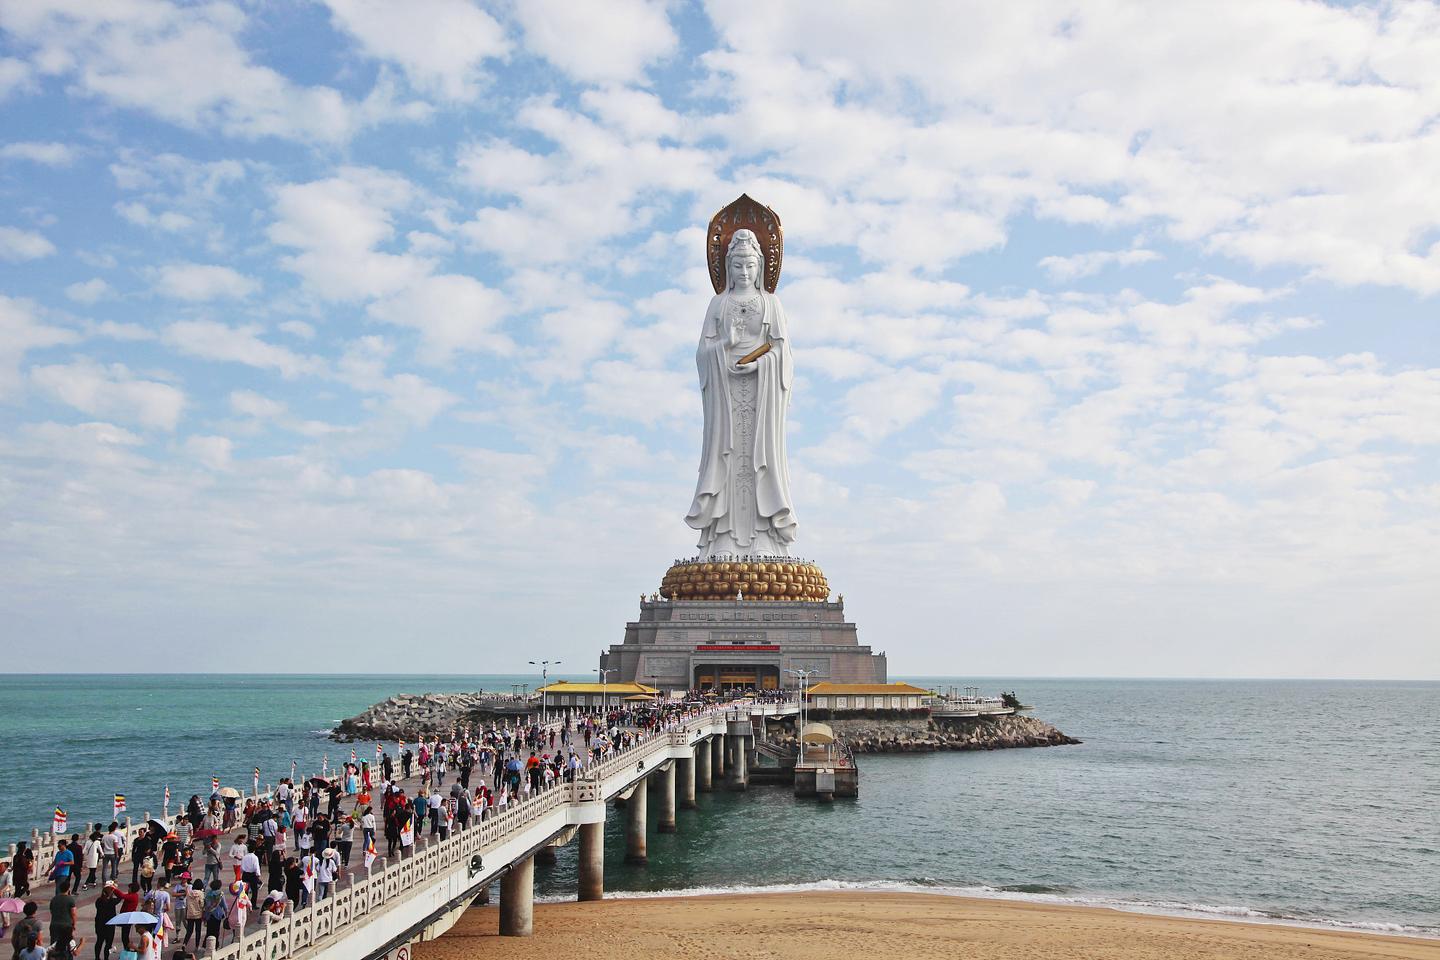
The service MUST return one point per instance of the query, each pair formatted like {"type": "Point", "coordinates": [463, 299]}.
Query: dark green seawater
{"type": "Point", "coordinates": [1313, 801]}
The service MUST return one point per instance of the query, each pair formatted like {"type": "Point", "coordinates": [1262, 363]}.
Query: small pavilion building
{"type": "Point", "coordinates": [842, 698]}
{"type": "Point", "coordinates": [563, 694]}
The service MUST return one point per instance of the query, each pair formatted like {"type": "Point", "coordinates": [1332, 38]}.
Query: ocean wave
{"type": "Point", "coordinates": [1033, 893]}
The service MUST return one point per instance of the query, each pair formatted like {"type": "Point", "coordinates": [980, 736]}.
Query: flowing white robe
{"type": "Point", "coordinates": [742, 502]}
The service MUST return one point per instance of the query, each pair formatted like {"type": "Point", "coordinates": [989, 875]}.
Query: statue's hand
{"type": "Point", "coordinates": [750, 367]}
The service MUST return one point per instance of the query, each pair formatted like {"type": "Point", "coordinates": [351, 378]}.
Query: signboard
{"type": "Point", "coordinates": [739, 647]}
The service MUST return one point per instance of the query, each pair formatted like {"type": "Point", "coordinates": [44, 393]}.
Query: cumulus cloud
{"type": "Point", "coordinates": [18, 245]}
{"type": "Point", "coordinates": [440, 44]}
{"type": "Point", "coordinates": [47, 153]}
{"type": "Point", "coordinates": [89, 291]}
{"type": "Point", "coordinates": [1079, 265]}
{"type": "Point", "coordinates": [212, 340]}
{"type": "Point", "coordinates": [611, 43]}
{"type": "Point", "coordinates": [336, 225]}
{"type": "Point", "coordinates": [112, 392]}
{"type": "Point", "coordinates": [198, 282]}
{"type": "Point", "coordinates": [248, 403]}
{"type": "Point", "coordinates": [452, 313]}
{"type": "Point", "coordinates": [187, 65]}
{"type": "Point", "coordinates": [22, 330]}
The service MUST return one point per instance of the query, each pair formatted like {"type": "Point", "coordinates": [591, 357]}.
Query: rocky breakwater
{"type": "Point", "coordinates": [408, 714]}
{"type": "Point", "coordinates": [924, 734]}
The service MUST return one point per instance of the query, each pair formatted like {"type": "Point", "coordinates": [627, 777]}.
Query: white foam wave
{"type": "Point", "coordinates": [1169, 908]}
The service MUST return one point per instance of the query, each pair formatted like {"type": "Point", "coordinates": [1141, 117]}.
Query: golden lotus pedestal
{"type": "Point", "coordinates": [744, 580]}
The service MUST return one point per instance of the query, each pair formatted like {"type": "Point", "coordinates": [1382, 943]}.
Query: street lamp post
{"type": "Point", "coordinates": [804, 677]}
{"type": "Point", "coordinates": [604, 681]}
{"type": "Point", "coordinates": [544, 666]}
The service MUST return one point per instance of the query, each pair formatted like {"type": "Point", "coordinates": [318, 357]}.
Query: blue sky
{"type": "Point", "coordinates": [334, 330]}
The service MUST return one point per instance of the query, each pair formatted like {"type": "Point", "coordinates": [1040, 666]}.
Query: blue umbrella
{"type": "Point", "coordinates": [133, 917]}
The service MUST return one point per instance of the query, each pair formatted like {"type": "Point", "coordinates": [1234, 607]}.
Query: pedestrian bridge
{"type": "Point", "coordinates": [419, 897]}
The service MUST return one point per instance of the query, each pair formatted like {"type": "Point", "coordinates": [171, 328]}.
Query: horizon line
{"type": "Point", "coordinates": [926, 676]}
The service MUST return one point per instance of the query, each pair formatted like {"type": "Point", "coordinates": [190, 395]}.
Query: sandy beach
{"type": "Point", "coordinates": [827, 925]}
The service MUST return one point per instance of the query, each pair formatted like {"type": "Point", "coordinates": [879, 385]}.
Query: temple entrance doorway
{"type": "Point", "coordinates": [729, 676]}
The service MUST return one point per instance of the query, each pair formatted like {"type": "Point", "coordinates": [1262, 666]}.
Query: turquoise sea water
{"type": "Point", "coordinates": [1305, 800]}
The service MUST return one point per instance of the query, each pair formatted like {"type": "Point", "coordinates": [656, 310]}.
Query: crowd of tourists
{"type": "Point", "coordinates": [228, 862]}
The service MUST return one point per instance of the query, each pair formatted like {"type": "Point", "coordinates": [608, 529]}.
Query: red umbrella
{"type": "Point", "coordinates": [207, 833]}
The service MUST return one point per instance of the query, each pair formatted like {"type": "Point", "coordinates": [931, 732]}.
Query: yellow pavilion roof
{"type": "Point", "coordinates": [620, 689]}
{"type": "Point", "coordinates": [866, 689]}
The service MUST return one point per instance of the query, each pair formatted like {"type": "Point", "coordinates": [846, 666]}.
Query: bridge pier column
{"type": "Point", "coordinates": [703, 765]}
{"type": "Point", "coordinates": [685, 771]}
{"type": "Point", "coordinates": [666, 783]}
{"type": "Point", "coordinates": [592, 861]}
{"type": "Point", "coordinates": [737, 776]}
{"type": "Point", "coordinates": [635, 824]}
{"type": "Point", "coordinates": [717, 754]}
{"type": "Point", "coordinates": [517, 899]}
{"type": "Point", "coordinates": [545, 856]}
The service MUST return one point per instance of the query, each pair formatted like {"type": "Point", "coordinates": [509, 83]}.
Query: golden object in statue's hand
{"type": "Point", "coordinates": [753, 355]}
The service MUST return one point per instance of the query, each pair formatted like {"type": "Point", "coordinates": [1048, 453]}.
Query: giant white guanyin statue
{"type": "Point", "coordinates": [742, 505]}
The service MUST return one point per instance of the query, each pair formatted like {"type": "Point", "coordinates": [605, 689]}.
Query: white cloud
{"type": "Point", "coordinates": [210, 451]}
{"type": "Point", "coordinates": [198, 282]}
{"type": "Point", "coordinates": [298, 328]}
{"type": "Point", "coordinates": [112, 392]}
{"type": "Point", "coordinates": [618, 389]}
{"type": "Point", "coordinates": [248, 403]}
{"type": "Point", "coordinates": [89, 291]}
{"type": "Point", "coordinates": [613, 42]}
{"type": "Point", "coordinates": [1081, 265]}
{"type": "Point", "coordinates": [595, 184]}
{"type": "Point", "coordinates": [451, 312]}
{"type": "Point", "coordinates": [186, 65]}
{"type": "Point", "coordinates": [15, 75]}
{"type": "Point", "coordinates": [1303, 142]}
{"type": "Point", "coordinates": [212, 340]}
{"type": "Point", "coordinates": [124, 332]}
{"type": "Point", "coordinates": [18, 245]}
{"type": "Point", "coordinates": [336, 224]}
{"type": "Point", "coordinates": [48, 153]}
{"type": "Point", "coordinates": [406, 396]}
{"type": "Point", "coordinates": [440, 44]}
{"type": "Point", "coordinates": [139, 214]}
{"type": "Point", "coordinates": [20, 332]}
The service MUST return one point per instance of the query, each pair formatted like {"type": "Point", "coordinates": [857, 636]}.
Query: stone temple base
{"type": "Point", "coordinates": [680, 644]}
{"type": "Point", "coordinates": [745, 579]}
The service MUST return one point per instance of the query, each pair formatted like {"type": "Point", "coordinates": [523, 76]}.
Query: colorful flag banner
{"type": "Point", "coordinates": [257, 781]}
{"type": "Point", "coordinates": [214, 784]}
{"type": "Point", "coordinates": [407, 833]}
{"type": "Point", "coordinates": [119, 804]}
{"type": "Point", "coordinates": [369, 852]}
{"type": "Point", "coordinates": [58, 826]}
{"type": "Point", "coordinates": [379, 751]}
{"type": "Point", "coordinates": [352, 754]}
{"type": "Point", "coordinates": [325, 765]}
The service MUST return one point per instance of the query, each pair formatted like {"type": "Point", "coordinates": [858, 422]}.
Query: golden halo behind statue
{"type": "Point", "coordinates": [745, 214]}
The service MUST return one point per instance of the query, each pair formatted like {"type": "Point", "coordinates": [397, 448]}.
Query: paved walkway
{"type": "Point", "coordinates": [42, 891]}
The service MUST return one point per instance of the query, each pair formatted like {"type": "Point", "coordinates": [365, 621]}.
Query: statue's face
{"type": "Point", "coordinates": [745, 271]}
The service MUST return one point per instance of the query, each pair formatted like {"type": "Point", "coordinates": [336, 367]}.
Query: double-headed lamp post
{"type": "Point", "coordinates": [604, 680]}
{"type": "Point", "coordinates": [804, 677]}
{"type": "Point", "coordinates": [544, 666]}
